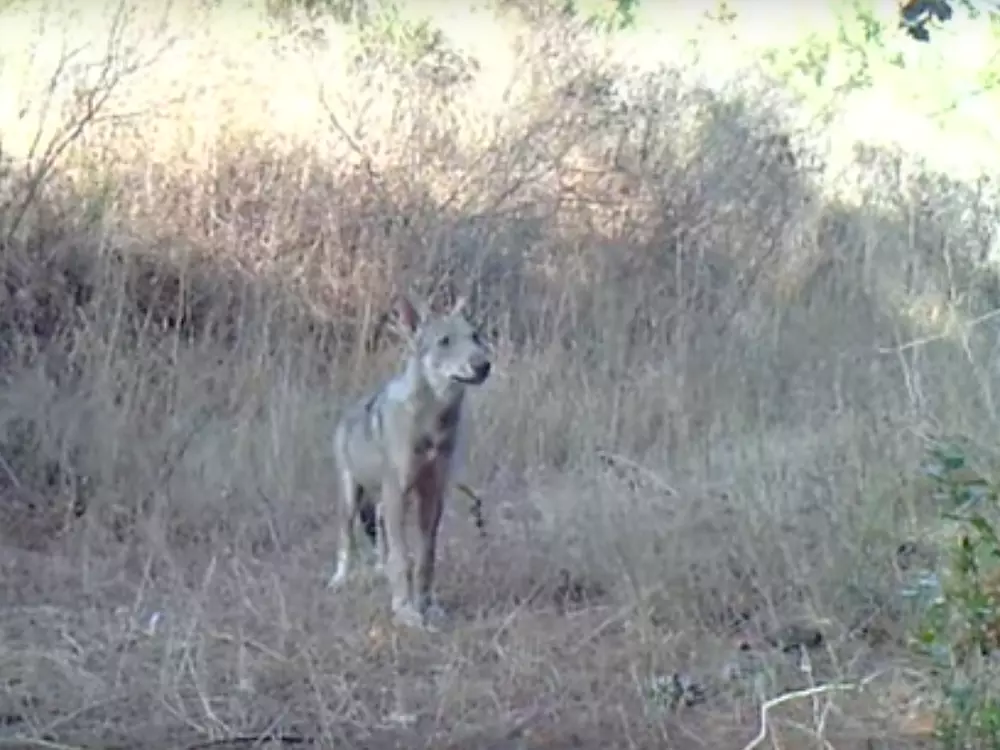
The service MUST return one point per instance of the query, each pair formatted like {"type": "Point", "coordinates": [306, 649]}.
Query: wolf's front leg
{"type": "Point", "coordinates": [347, 546]}
{"type": "Point", "coordinates": [398, 569]}
{"type": "Point", "coordinates": [430, 504]}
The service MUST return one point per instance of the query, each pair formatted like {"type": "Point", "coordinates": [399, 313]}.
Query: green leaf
{"type": "Point", "coordinates": [950, 457]}
{"type": "Point", "coordinates": [984, 527]}
{"type": "Point", "coordinates": [927, 636]}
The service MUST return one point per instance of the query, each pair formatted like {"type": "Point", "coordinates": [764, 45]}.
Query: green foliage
{"type": "Point", "coordinates": [919, 17]}
{"type": "Point", "coordinates": [867, 53]}
{"type": "Point", "coordinates": [343, 11]}
{"type": "Point", "coordinates": [722, 14]}
{"type": "Point", "coordinates": [603, 15]}
{"type": "Point", "coordinates": [388, 30]}
{"type": "Point", "coordinates": [960, 605]}
{"type": "Point", "coordinates": [840, 62]}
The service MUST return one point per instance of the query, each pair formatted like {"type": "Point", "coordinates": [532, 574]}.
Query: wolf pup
{"type": "Point", "coordinates": [399, 442]}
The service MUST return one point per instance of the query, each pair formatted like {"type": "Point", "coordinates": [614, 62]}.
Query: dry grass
{"type": "Point", "coordinates": [694, 455]}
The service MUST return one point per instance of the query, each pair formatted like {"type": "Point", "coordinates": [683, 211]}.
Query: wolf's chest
{"type": "Point", "coordinates": [437, 434]}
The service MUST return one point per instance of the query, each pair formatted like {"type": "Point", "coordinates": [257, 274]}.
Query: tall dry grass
{"type": "Point", "coordinates": [694, 454]}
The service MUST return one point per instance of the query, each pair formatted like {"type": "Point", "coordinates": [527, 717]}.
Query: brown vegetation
{"type": "Point", "coordinates": [690, 455]}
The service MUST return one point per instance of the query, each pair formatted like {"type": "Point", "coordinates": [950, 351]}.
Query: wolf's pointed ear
{"type": "Point", "coordinates": [407, 313]}
{"type": "Point", "coordinates": [453, 301]}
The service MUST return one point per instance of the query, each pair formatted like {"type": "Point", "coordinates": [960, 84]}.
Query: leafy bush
{"type": "Point", "coordinates": [960, 627]}
{"type": "Point", "coordinates": [842, 61]}
{"type": "Point", "coordinates": [604, 15]}
{"type": "Point", "coordinates": [411, 40]}
{"type": "Point", "coordinates": [343, 11]}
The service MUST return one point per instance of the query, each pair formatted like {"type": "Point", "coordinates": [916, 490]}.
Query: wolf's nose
{"type": "Point", "coordinates": [483, 371]}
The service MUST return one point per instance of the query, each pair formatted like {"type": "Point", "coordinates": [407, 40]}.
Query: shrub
{"type": "Point", "coordinates": [960, 627]}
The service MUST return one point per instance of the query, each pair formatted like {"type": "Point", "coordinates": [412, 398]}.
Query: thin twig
{"type": "Point", "coordinates": [22, 742]}
{"type": "Point", "coordinates": [515, 730]}
{"type": "Point", "coordinates": [9, 471]}
{"type": "Point", "coordinates": [611, 459]}
{"type": "Point", "coordinates": [797, 694]}
{"type": "Point", "coordinates": [254, 740]}
{"type": "Point", "coordinates": [614, 619]}
{"type": "Point", "coordinates": [510, 733]}
{"type": "Point", "coordinates": [90, 102]}
{"type": "Point", "coordinates": [477, 507]}
{"type": "Point", "coordinates": [985, 317]}
{"type": "Point", "coordinates": [515, 613]}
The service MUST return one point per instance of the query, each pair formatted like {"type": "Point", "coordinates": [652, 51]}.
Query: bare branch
{"type": "Point", "coordinates": [963, 328]}
{"type": "Point", "coordinates": [119, 63]}
{"type": "Point", "coordinates": [794, 695]}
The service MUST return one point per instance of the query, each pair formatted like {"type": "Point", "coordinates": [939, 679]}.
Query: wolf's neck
{"type": "Point", "coordinates": [445, 395]}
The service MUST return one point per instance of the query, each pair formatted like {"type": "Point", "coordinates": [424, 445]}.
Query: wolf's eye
{"type": "Point", "coordinates": [444, 341]}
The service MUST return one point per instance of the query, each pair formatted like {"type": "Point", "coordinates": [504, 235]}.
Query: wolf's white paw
{"type": "Point", "coordinates": [338, 579]}
{"type": "Point", "coordinates": [435, 615]}
{"type": "Point", "coordinates": [409, 616]}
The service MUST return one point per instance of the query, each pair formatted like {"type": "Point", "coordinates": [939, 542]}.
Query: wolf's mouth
{"type": "Point", "coordinates": [479, 375]}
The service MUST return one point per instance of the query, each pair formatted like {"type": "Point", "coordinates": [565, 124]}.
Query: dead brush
{"type": "Point", "coordinates": [751, 441]}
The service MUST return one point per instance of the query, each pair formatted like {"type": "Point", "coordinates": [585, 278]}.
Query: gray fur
{"type": "Point", "coordinates": [394, 453]}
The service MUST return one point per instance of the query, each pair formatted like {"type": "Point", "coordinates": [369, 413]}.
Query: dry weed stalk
{"type": "Point", "coordinates": [813, 692]}
{"type": "Point", "coordinates": [95, 86]}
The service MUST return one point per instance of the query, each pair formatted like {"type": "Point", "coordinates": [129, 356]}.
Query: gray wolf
{"type": "Point", "coordinates": [394, 453]}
